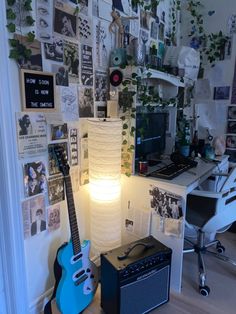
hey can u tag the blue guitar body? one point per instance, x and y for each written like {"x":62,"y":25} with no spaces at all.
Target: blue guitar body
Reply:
{"x":79,"y":279}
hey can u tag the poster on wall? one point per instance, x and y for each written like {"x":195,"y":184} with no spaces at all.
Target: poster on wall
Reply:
{"x":73,"y":144}
{"x":53,"y":217}
{"x":101,"y":86}
{"x":103,"y":43}
{"x":65,"y":22}
{"x":69,"y":101}
{"x":86,"y":65}
{"x":31,"y":133}
{"x":44,"y":20}
{"x":167,"y":207}
{"x":35,"y":181}
{"x":86,"y":103}
{"x":71,"y":60}
{"x":52,"y":163}
{"x":34,"y":216}
{"x":54,"y":51}
{"x":85,"y":32}
{"x":61,"y":74}
{"x":56,"y":192}
{"x":59,"y":132}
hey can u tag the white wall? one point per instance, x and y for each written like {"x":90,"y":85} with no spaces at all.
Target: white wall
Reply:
{"x":211,"y":112}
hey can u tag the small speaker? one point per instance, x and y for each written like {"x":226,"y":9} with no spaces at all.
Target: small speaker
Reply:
{"x":116,"y":77}
{"x":118,"y":57}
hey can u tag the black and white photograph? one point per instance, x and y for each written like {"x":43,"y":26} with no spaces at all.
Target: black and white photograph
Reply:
{"x":35,"y":181}
{"x":71,"y":59}
{"x":165,"y":204}
{"x":86,"y":65}
{"x":56,"y":191}
{"x":101,"y":86}
{"x":61,"y":74}
{"x":85,"y":33}
{"x":232,"y":112}
{"x":154,"y":30}
{"x":73,"y":143}
{"x":54,"y":51}
{"x":221,"y":92}
{"x":52,"y":163}
{"x":25,"y":126}
{"x":121,"y":5}
{"x":101,"y":111}
{"x":65,"y":23}
{"x":231,"y":128}
{"x":86,"y":103}
{"x":84,"y":177}
{"x":161,"y":31}
{"x":59,"y":131}
{"x":231,"y":141}
{"x":144,"y":19}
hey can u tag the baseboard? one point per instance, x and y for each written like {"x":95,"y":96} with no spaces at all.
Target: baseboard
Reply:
{"x":37,"y":306}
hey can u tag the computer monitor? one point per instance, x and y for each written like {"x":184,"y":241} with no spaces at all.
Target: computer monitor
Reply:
{"x":150,"y":135}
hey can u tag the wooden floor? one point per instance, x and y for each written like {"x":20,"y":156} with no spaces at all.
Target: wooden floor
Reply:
{"x":221,"y":278}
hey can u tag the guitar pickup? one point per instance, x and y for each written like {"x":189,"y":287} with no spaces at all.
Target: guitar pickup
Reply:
{"x":76,"y":258}
{"x":81,"y":280}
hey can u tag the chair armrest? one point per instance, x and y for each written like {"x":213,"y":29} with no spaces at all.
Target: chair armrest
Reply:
{"x":206,"y":194}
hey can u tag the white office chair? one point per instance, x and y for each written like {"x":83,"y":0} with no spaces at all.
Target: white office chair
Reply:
{"x":211,"y":212}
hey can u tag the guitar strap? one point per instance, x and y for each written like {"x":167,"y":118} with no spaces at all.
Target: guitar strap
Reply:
{"x":57,"y":273}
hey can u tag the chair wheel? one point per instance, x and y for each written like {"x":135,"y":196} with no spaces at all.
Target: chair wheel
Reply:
{"x":205,"y":290}
{"x":220,"y":249}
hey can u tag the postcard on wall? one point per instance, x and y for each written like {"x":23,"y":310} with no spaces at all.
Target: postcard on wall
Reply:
{"x":103,"y":43}
{"x":35,"y":181}
{"x":86,"y":103}
{"x":59,"y":131}
{"x":53,"y":217}
{"x":231,"y":127}
{"x":86,"y":65}
{"x":221,"y":92}
{"x":137,"y":221}
{"x":69,"y":102}
{"x":54,"y":50}
{"x":85,"y":31}
{"x":232,"y":112}
{"x":44,"y":20}
{"x":168,"y":207}
{"x":56,"y":192}
{"x":101,"y":85}
{"x":71,"y":60}
{"x":52,"y":163}
{"x":65,"y":21}
{"x":100,"y":110}
{"x":73,"y":144}
{"x":84,"y":176}
{"x":35,"y":60}
{"x":31,"y":133}
{"x":74,"y":174}
{"x":84,"y":153}
{"x":34,"y":215}
{"x":231,"y":141}
{"x":233,"y":91}
{"x":61,"y":74}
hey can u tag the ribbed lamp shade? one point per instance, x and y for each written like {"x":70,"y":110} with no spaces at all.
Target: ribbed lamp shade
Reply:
{"x":104,"y":149}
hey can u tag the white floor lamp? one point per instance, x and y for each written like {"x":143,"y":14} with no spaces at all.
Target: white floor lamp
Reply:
{"x":104,"y":149}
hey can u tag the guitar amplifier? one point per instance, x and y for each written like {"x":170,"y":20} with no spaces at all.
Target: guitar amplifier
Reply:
{"x":135,"y":278}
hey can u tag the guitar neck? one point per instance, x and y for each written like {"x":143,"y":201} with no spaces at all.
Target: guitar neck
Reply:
{"x":72,"y":216}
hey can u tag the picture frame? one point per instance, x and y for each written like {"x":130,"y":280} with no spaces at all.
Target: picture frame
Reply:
{"x":221,"y":92}
{"x":38,"y":91}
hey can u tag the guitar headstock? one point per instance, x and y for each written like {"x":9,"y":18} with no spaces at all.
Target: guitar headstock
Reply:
{"x":61,"y":159}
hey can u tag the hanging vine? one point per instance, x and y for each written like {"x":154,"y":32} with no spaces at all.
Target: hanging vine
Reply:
{"x":18,"y":15}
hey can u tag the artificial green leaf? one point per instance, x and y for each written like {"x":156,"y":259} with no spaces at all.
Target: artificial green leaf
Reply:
{"x":29,"y":20}
{"x":11,"y":14}
{"x":11,"y":27}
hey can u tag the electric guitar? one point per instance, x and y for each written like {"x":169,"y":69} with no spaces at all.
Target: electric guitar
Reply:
{"x":78,"y":276}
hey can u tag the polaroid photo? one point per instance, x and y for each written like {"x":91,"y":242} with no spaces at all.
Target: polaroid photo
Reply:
{"x":231,"y":141}
{"x":221,"y":92}
{"x":232,"y":112}
{"x":59,"y":131}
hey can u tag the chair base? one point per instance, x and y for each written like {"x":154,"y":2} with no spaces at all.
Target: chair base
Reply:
{"x":201,"y":248}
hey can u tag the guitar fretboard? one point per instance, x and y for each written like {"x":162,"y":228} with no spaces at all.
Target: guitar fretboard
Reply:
{"x":72,"y":216}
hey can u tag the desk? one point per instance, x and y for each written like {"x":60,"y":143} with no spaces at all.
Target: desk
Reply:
{"x":135,"y":193}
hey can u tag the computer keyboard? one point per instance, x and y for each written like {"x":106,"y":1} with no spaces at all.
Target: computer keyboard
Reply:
{"x":170,"y":171}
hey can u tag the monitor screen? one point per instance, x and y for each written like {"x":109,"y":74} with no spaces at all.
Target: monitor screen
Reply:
{"x":150,"y":135}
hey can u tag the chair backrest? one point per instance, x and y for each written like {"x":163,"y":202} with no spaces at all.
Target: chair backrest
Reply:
{"x":225,"y":213}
